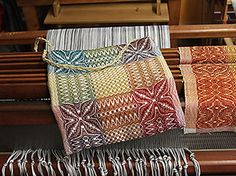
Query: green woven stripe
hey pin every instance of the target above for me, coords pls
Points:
(74, 88)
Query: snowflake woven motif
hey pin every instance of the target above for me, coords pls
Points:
(139, 50)
(81, 123)
(156, 109)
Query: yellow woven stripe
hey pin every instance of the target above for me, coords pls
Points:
(191, 98)
(73, 88)
(164, 67)
(232, 68)
(53, 89)
(231, 54)
(110, 81)
(124, 133)
(145, 73)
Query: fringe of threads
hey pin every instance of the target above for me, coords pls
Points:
(169, 161)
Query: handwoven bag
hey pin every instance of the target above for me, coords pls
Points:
(111, 94)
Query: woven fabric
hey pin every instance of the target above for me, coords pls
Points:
(209, 75)
(134, 98)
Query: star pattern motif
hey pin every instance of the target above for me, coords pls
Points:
(81, 122)
(156, 108)
(75, 58)
(215, 86)
(139, 50)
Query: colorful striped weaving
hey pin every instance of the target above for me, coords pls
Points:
(209, 75)
(134, 98)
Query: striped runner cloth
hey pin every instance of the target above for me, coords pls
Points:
(209, 75)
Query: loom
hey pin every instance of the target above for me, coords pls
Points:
(26, 114)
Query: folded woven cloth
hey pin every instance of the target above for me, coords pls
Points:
(112, 94)
(209, 75)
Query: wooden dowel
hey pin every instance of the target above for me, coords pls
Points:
(158, 7)
(176, 71)
(23, 80)
(202, 31)
(36, 59)
(23, 75)
(26, 113)
(177, 76)
(22, 65)
(99, 1)
(26, 37)
(20, 54)
(66, 2)
(172, 61)
(15, 60)
(171, 55)
(18, 71)
(173, 67)
(25, 106)
(169, 50)
(24, 90)
(56, 7)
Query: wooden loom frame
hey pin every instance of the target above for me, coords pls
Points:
(14, 75)
(158, 13)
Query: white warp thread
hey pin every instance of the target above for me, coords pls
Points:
(92, 38)
(171, 160)
(234, 5)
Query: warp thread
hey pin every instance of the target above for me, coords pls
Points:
(98, 37)
(169, 161)
(234, 5)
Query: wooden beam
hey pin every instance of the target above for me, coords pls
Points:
(99, 1)
(202, 31)
(31, 17)
(20, 38)
(217, 162)
(158, 7)
(49, 2)
(26, 113)
(174, 7)
(109, 13)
